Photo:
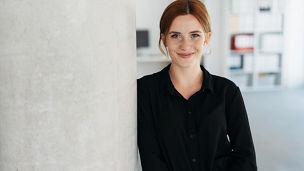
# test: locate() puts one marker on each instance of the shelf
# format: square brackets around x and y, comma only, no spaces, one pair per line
[260,88]
[277,71]
[153,58]
[256,67]
[239,72]
[270,32]
[270,53]
[241,52]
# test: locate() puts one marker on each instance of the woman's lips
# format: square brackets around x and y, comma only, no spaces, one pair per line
[185,55]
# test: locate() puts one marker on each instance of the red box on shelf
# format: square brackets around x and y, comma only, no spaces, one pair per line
[242,42]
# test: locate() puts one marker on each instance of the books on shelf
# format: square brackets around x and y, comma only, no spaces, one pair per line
[256,43]
[242,42]
[267,79]
[265,5]
[243,62]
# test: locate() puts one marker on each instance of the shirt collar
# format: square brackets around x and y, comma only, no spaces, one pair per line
[168,86]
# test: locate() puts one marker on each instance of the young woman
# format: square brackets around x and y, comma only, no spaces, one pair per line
[189,119]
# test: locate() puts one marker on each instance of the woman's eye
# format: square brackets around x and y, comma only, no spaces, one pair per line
[195,35]
[175,36]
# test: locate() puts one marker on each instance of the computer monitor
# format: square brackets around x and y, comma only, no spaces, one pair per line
[142,38]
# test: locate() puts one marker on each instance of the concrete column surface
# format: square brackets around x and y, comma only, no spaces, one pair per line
[67,85]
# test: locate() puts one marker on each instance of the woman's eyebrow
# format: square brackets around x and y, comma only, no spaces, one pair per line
[176,32]
[196,31]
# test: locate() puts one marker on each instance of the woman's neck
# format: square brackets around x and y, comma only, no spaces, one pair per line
[186,77]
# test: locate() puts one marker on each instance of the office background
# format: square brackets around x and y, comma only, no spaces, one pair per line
[68,72]
[258,44]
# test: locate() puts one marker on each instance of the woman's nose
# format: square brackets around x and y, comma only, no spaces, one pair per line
[185,44]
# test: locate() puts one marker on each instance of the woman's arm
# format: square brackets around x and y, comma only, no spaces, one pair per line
[148,145]
[243,155]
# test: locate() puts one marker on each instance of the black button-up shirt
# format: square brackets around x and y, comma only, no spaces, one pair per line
[207,132]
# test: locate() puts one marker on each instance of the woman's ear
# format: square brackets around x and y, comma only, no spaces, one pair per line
[207,38]
[163,38]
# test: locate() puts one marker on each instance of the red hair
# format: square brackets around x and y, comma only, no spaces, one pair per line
[183,7]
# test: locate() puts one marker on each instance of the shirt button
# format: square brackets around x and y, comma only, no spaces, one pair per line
[193,160]
[189,112]
[192,136]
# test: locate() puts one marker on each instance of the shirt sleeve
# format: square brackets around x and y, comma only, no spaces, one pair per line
[242,157]
[148,145]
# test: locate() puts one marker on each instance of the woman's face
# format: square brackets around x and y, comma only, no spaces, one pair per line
[185,40]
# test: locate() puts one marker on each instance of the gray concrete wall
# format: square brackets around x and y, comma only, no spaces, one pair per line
[67,85]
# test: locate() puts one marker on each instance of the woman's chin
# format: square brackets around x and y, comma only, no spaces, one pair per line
[185,63]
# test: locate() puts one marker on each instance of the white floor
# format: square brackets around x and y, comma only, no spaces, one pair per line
[277,125]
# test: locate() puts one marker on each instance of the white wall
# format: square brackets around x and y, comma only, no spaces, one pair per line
[293,62]
[216,61]
[148,14]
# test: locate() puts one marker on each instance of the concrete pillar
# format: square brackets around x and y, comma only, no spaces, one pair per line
[67,85]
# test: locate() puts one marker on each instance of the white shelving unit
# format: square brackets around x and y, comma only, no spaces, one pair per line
[152,58]
[261,67]
[148,64]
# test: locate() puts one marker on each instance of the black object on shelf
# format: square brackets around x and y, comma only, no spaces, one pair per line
[265,9]
[142,38]
[265,5]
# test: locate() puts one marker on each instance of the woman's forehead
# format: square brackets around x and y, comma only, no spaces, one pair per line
[185,24]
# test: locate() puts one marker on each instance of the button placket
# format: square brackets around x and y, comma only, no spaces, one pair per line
[192,136]
[190,118]
[189,108]
[191,131]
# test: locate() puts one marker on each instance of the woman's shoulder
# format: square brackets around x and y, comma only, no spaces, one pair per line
[225,88]
[224,85]
[223,82]
[150,80]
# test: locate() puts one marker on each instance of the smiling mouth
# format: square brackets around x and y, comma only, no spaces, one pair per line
[185,55]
